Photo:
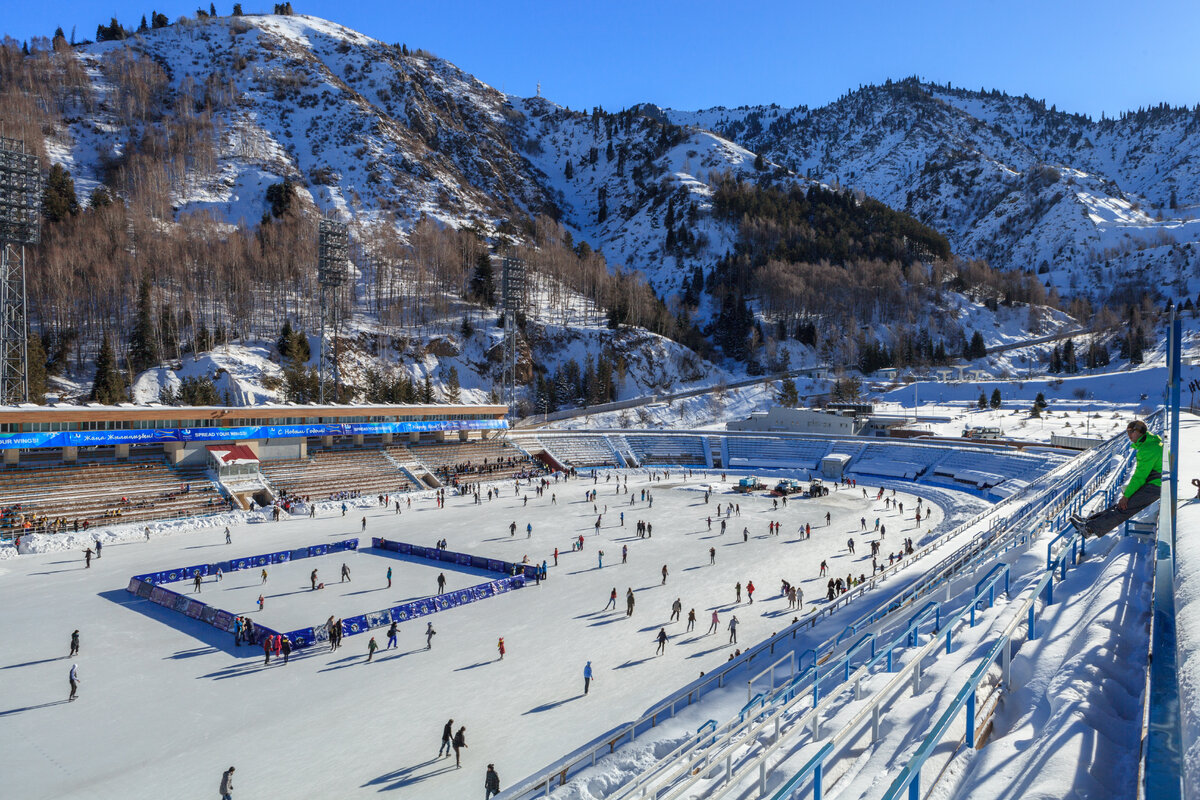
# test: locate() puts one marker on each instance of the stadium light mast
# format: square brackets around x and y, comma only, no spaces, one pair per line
[20,217]
[512,290]
[333,243]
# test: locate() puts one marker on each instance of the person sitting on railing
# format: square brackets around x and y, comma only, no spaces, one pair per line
[1143,490]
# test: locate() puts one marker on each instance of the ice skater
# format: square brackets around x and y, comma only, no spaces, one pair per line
[389,577]
[447,738]
[345,572]
[228,540]
[74,643]
[733,623]
[264,577]
[500,648]
[715,623]
[441,582]
[460,741]
[612,600]
[664,574]
[312,579]
[73,677]
[587,677]
[676,609]
[391,634]
[372,646]
[429,634]
[691,619]
[662,641]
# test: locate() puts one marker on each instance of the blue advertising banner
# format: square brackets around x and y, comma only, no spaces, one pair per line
[13,441]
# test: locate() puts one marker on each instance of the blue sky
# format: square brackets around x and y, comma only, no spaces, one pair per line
[1085,57]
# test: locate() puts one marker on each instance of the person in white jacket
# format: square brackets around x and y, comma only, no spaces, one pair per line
[74,679]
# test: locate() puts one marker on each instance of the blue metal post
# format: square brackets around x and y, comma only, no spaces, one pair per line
[971,720]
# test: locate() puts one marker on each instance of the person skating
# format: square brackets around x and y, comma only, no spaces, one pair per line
[372,646]
[691,619]
[664,574]
[676,608]
[629,602]
[850,545]
[447,738]
[312,579]
[74,643]
[196,581]
[587,677]
[73,677]
[715,622]
[662,641]
[227,784]
[264,578]
[391,634]
[733,623]
[712,556]
[285,646]
[1143,489]
[491,782]
[364,523]
[750,590]
[612,600]
[738,589]
[87,558]
[99,547]
[441,582]
[460,741]
[261,601]
[345,572]
[228,538]
[266,645]
[429,634]
[500,647]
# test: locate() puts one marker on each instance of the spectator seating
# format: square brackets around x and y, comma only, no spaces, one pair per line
[658,449]
[482,459]
[325,472]
[580,451]
[779,453]
[41,496]
[896,460]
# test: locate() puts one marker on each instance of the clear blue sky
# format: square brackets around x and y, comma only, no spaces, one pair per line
[1081,56]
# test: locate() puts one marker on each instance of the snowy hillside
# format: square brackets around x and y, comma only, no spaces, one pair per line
[1088,205]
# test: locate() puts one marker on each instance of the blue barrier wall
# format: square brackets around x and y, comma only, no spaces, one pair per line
[148,586]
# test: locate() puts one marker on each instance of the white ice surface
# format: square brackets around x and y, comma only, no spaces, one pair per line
[167,703]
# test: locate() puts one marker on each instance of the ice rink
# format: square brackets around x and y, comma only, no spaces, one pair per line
[169,702]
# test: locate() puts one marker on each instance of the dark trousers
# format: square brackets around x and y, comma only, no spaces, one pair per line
[1104,521]
[587,683]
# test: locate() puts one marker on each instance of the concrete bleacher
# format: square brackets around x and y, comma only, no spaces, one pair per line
[580,451]
[984,469]
[779,453]
[325,472]
[896,460]
[479,460]
[43,496]
[657,449]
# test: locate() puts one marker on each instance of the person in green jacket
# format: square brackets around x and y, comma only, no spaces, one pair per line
[1144,487]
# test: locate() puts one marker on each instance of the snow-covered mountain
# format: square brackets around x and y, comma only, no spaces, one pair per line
[1087,204]
[212,114]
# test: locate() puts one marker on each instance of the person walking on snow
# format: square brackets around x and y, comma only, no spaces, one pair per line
[441,582]
[676,608]
[429,634]
[345,572]
[587,677]
[74,643]
[73,677]
[691,619]
[733,623]
[372,646]
[447,738]
[389,577]
[664,574]
[750,590]
[228,538]
[712,556]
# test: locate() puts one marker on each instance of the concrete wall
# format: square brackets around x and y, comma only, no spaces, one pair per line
[796,420]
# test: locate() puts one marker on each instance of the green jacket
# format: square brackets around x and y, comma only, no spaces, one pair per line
[1149,464]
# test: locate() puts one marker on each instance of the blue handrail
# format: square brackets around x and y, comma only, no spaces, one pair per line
[814,768]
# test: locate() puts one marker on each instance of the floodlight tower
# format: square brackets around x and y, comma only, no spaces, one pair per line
[20,204]
[333,241]
[512,291]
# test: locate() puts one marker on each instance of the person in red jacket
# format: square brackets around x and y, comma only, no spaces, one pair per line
[500,647]
[750,590]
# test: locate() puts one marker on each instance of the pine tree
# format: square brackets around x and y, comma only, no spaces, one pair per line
[1069,363]
[1040,400]
[569,171]
[995,402]
[977,348]
[58,198]
[483,281]
[1055,361]
[983,401]
[427,390]
[143,342]
[108,386]
[453,390]
[788,396]
[237,9]
[36,361]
